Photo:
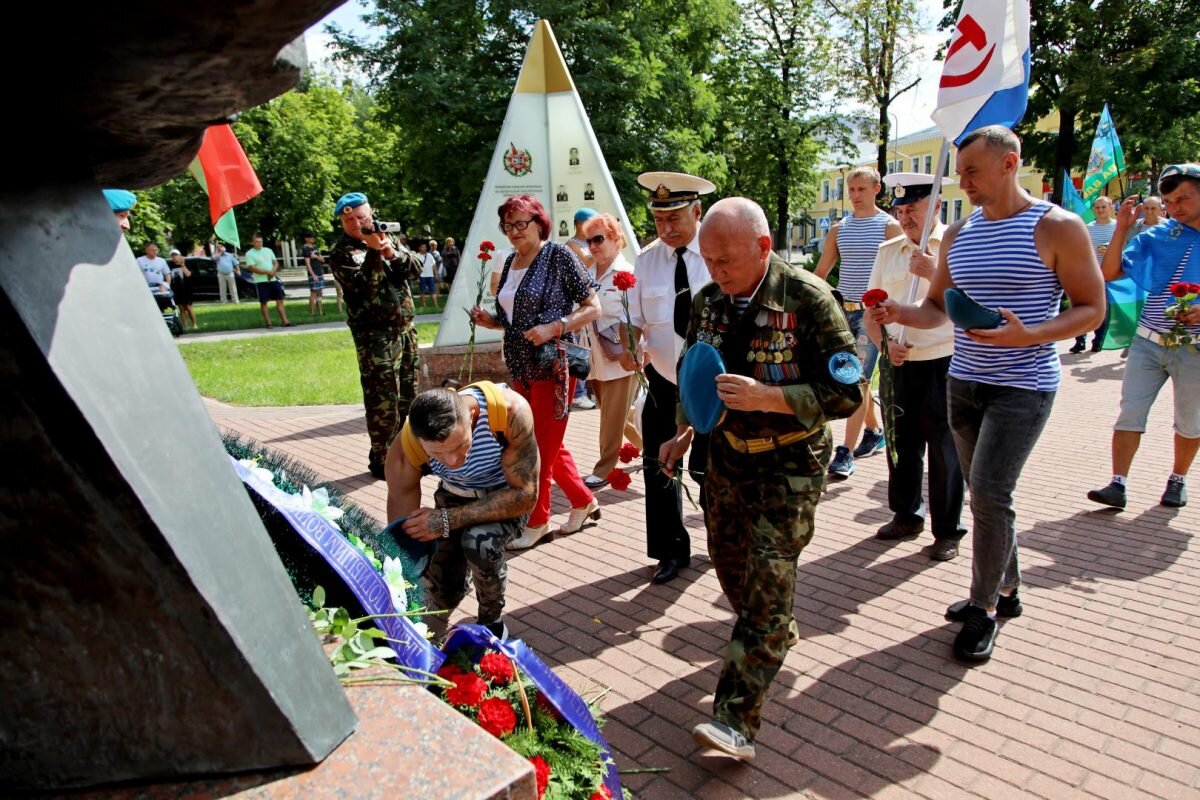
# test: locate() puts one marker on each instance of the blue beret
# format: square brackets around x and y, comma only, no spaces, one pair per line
[119,200]
[1179,171]
[416,555]
[968,314]
[584,214]
[350,200]
[698,372]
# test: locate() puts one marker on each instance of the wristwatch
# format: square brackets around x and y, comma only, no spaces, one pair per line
[562,321]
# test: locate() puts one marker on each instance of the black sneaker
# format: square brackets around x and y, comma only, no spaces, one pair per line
[842,465]
[1097,345]
[1176,494]
[376,469]
[977,637]
[498,629]
[1078,347]
[872,442]
[1111,495]
[1005,607]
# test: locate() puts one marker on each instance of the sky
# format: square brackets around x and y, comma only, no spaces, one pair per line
[911,109]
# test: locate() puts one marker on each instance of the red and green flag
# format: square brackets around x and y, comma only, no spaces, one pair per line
[224,173]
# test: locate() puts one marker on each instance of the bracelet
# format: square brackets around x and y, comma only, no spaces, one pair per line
[445,523]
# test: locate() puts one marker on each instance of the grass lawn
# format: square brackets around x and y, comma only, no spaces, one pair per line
[245,315]
[305,369]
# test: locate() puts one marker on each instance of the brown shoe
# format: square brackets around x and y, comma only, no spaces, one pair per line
[899,530]
[943,549]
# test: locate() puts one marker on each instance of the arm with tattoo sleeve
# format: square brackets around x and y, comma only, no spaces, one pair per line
[520,462]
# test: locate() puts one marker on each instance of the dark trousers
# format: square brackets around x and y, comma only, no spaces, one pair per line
[1098,334]
[922,422]
[666,537]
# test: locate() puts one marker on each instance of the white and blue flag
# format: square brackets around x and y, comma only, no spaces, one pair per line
[985,78]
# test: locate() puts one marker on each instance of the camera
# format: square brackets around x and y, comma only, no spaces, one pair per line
[383,227]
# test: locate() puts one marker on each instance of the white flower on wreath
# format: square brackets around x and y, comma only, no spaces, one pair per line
[393,574]
[262,473]
[318,502]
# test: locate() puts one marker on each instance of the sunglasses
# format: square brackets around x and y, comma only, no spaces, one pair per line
[596,241]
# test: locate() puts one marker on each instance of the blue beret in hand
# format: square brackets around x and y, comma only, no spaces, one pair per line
[698,372]
[419,554]
[967,314]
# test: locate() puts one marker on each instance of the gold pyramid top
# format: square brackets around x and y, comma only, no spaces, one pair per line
[544,70]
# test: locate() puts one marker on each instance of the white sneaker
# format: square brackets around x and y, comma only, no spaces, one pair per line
[583,402]
[578,516]
[719,736]
[529,537]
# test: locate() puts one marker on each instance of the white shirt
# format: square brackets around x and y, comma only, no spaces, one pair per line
[611,312]
[428,262]
[891,274]
[154,270]
[508,292]
[652,300]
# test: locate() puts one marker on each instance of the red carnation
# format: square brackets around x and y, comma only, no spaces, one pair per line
[484,257]
[628,453]
[497,668]
[449,671]
[468,690]
[601,794]
[546,708]
[497,717]
[1194,288]
[624,280]
[619,479]
[486,246]
[542,771]
[874,297]
[1179,289]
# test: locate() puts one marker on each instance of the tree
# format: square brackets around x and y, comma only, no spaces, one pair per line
[880,50]
[774,124]
[443,72]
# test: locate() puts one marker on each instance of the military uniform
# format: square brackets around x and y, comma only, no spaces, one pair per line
[766,471]
[380,311]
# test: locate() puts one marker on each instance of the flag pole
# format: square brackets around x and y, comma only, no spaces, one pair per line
[935,204]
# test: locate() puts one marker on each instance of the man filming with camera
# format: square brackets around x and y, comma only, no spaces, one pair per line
[374,273]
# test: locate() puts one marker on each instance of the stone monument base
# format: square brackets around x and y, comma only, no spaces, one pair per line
[439,364]
[409,744]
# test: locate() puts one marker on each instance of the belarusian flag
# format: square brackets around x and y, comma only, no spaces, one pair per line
[224,173]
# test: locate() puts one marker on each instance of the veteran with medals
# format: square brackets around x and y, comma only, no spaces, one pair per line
[791,368]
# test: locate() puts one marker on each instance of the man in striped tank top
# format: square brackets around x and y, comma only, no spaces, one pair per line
[1015,254]
[488,486]
[853,241]
[1158,258]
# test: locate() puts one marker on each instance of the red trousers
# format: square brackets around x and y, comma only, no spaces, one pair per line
[556,459]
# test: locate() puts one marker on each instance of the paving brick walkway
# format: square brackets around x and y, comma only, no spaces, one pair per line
[1094,692]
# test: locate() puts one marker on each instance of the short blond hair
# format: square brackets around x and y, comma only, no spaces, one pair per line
[606,224]
[870,173]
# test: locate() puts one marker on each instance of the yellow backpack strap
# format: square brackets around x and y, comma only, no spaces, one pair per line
[497,408]
[413,452]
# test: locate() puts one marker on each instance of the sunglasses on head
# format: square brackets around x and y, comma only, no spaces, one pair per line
[596,240]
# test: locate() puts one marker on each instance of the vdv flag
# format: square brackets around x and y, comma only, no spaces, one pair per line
[1073,201]
[985,78]
[1107,160]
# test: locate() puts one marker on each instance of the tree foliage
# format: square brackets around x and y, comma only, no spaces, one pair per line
[880,51]
[776,116]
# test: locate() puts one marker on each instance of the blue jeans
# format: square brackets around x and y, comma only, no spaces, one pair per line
[995,429]
[868,353]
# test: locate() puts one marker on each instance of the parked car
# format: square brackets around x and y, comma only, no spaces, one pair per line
[204,280]
[812,246]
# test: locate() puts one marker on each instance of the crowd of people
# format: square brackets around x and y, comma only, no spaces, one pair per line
[965,318]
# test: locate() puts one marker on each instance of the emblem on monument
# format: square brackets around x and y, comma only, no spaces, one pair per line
[517,162]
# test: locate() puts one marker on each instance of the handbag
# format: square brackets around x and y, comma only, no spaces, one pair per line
[611,345]
[578,357]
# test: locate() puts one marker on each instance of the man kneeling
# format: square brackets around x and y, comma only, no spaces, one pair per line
[479,442]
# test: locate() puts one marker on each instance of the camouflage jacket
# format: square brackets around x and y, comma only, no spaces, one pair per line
[375,289]
[786,337]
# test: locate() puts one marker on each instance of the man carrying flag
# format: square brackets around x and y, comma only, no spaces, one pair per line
[1160,260]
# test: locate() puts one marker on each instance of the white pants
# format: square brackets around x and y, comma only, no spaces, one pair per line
[227,284]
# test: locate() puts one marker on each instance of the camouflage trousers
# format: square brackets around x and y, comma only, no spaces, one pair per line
[387,368]
[759,518]
[471,555]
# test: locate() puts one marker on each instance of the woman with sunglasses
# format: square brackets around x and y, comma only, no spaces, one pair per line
[544,294]
[614,386]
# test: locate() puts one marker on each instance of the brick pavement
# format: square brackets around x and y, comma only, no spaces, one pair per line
[1094,692]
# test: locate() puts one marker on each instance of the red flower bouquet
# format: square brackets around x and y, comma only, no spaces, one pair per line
[627,453]
[623,281]
[496,668]
[497,717]
[485,255]
[874,297]
[1179,336]
[468,690]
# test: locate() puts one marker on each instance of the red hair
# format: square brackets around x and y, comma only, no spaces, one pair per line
[527,204]
[608,225]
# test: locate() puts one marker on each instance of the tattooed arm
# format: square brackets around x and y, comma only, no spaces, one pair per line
[520,462]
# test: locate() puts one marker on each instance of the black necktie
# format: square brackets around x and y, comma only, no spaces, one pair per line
[683,294]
